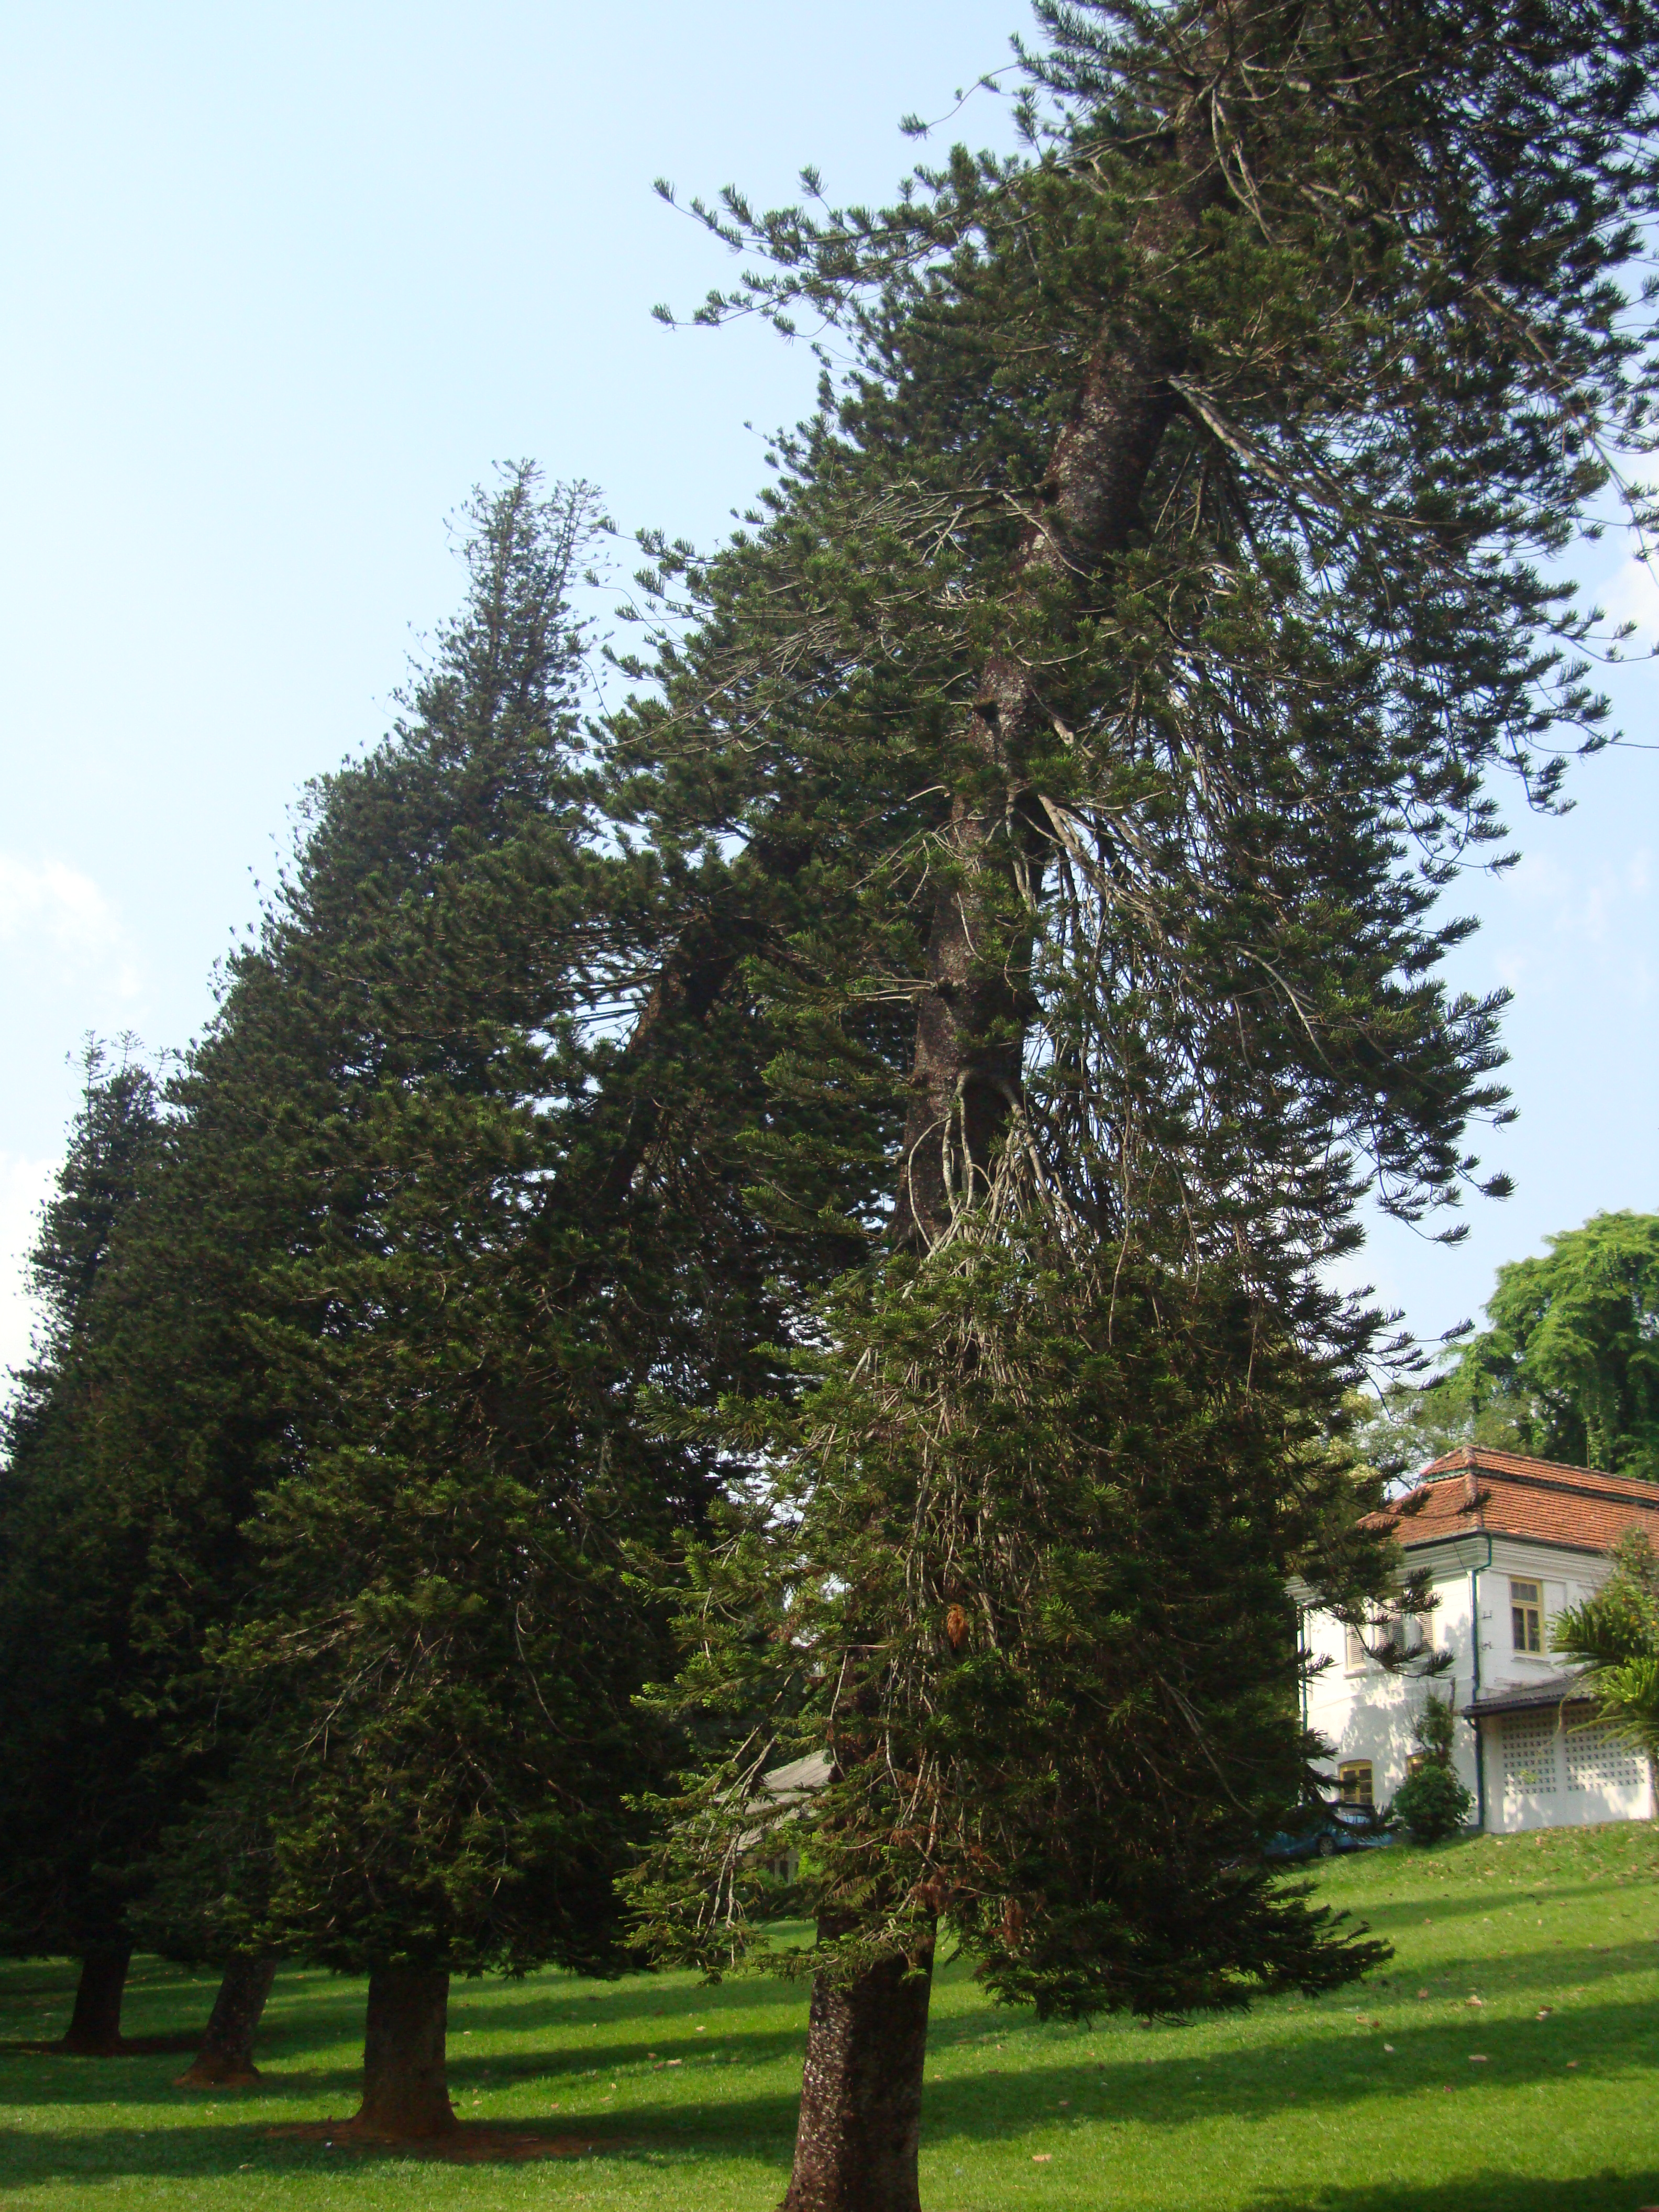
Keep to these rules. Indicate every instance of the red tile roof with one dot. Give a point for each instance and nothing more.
(1504, 1494)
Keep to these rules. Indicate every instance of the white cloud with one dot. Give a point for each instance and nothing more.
(24, 1183)
(1555, 928)
(1631, 594)
(1588, 906)
(50, 912)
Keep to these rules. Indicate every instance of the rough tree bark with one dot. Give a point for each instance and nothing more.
(94, 2028)
(972, 1014)
(861, 2103)
(225, 2060)
(866, 2043)
(405, 2087)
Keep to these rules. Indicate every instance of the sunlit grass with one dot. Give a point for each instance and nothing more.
(1401, 2096)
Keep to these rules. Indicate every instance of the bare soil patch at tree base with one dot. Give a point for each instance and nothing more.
(469, 2143)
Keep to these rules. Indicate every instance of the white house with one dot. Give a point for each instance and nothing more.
(1507, 1542)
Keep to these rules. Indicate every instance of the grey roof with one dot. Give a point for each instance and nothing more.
(1553, 1690)
(799, 1777)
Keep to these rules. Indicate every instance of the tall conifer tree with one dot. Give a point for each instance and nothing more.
(1146, 619)
(455, 1229)
(80, 1801)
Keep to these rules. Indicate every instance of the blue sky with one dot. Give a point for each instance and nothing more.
(281, 283)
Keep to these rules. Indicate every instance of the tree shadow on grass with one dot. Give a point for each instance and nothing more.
(473, 2142)
(1164, 2091)
(1406, 1916)
(1331, 2065)
(151, 2080)
(1549, 1972)
(1323, 2057)
(186, 2041)
(28, 2078)
(584, 2005)
(1334, 2063)
(180, 2154)
(1490, 2189)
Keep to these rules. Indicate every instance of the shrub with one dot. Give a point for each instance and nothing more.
(1436, 1729)
(1432, 1802)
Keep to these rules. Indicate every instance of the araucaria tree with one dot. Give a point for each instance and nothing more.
(473, 1224)
(82, 1802)
(1125, 653)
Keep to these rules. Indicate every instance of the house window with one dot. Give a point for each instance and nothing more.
(1527, 1616)
(1414, 1632)
(1408, 1632)
(1353, 1781)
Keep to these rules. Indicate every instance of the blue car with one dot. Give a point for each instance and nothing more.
(1328, 1829)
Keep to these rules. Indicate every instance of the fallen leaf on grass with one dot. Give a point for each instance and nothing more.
(1479, 2058)
(1041, 2157)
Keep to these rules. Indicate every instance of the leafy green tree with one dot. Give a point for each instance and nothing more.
(1569, 1368)
(1126, 651)
(1614, 1637)
(81, 1805)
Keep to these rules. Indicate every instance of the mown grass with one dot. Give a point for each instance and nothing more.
(1401, 2096)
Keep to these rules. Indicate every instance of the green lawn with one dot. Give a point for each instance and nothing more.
(1369, 2103)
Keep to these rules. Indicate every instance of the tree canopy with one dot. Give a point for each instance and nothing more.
(1130, 649)
(1569, 1367)
(82, 1801)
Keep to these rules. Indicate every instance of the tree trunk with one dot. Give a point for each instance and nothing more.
(405, 2089)
(972, 1017)
(860, 2104)
(867, 2044)
(225, 2060)
(95, 2030)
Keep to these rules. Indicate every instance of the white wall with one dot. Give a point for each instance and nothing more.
(1545, 1768)
(1561, 1768)
(1367, 1713)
